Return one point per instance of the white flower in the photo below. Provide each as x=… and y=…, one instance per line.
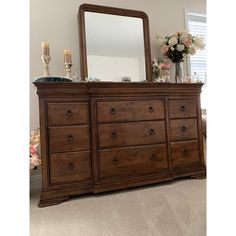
x=180, y=47
x=172, y=48
x=192, y=51
x=199, y=43
x=172, y=41
x=183, y=36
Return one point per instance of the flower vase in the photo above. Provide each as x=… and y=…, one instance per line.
x=178, y=72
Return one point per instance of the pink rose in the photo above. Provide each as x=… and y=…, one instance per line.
x=32, y=149
x=187, y=42
x=164, y=49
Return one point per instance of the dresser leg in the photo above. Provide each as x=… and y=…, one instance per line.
x=198, y=176
x=51, y=202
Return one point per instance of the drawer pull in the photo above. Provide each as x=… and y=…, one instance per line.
x=153, y=157
x=151, y=109
x=69, y=113
x=182, y=108
x=113, y=111
x=71, y=166
x=114, y=135
x=115, y=162
x=184, y=129
x=185, y=152
x=70, y=138
x=151, y=131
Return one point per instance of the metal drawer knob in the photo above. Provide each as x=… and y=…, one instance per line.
x=113, y=111
x=153, y=157
x=70, y=138
x=69, y=113
x=71, y=166
x=184, y=129
x=182, y=108
x=151, y=131
x=151, y=109
x=114, y=135
x=115, y=161
x=185, y=152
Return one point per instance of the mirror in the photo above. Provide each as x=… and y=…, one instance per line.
x=114, y=44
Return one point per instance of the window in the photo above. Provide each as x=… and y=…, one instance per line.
x=196, y=25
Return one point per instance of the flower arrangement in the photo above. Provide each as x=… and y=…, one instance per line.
x=160, y=68
x=35, y=159
x=180, y=44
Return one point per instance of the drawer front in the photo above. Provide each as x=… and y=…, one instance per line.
x=68, y=113
x=184, y=153
x=68, y=138
x=183, y=129
x=126, y=134
x=182, y=108
x=130, y=110
x=69, y=167
x=117, y=162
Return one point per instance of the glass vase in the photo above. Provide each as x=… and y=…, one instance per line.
x=178, y=72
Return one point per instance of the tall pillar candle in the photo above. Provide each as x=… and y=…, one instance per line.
x=67, y=56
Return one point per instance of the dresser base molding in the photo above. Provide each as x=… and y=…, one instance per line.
x=55, y=197
x=51, y=202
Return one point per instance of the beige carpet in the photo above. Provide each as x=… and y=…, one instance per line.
x=171, y=209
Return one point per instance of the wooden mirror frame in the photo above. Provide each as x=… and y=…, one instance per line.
x=113, y=11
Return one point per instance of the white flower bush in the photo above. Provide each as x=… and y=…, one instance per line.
x=180, y=44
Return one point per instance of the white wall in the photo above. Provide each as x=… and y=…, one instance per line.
x=55, y=21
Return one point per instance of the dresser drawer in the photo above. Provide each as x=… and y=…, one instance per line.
x=69, y=167
x=135, y=133
x=130, y=110
x=184, y=153
x=182, y=108
x=125, y=161
x=67, y=113
x=68, y=138
x=183, y=129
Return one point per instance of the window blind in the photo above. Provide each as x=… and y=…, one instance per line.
x=198, y=62
x=196, y=25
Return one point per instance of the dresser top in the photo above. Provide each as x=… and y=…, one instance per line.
x=112, y=88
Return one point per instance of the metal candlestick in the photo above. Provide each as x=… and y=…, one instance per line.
x=46, y=60
x=68, y=70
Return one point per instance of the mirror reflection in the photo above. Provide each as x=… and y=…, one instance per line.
x=115, y=47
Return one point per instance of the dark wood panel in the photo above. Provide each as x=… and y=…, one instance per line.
x=183, y=129
x=68, y=113
x=125, y=161
x=182, y=108
x=130, y=110
x=69, y=167
x=184, y=153
x=68, y=138
x=135, y=133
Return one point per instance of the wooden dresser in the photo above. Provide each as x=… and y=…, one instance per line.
x=104, y=136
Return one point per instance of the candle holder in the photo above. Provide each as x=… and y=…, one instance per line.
x=68, y=69
x=46, y=60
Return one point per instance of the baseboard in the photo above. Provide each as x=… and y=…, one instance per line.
x=35, y=182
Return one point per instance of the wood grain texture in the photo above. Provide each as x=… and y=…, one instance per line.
x=126, y=161
x=185, y=153
x=141, y=152
x=68, y=113
x=182, y=108
x=128, y=134
x=117, y=111
x=69, y=167
x=183, y=129
x=68, y=138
